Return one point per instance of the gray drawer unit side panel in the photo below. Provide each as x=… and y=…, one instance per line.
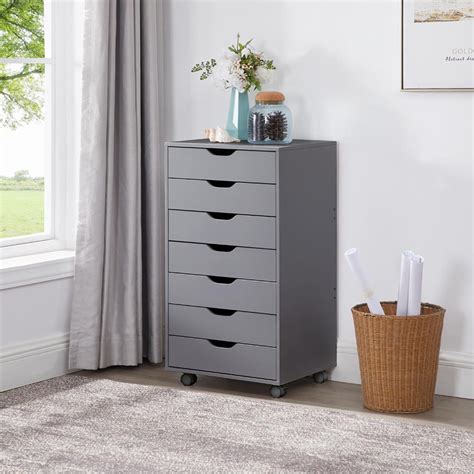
x=166, y=260
x=202, y=163
x=307, y=264
x=205, y=323
x=228, y=197
x=225, y=261
x=242, y=231
x=241, y=359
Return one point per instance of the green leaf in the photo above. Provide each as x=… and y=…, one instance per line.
x=21, y=35
x=21, y=28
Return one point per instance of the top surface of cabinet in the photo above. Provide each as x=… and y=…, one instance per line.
x=205, y=143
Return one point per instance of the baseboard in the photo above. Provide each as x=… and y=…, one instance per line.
x=33, y=362
x=455, y=372
x=47, y=358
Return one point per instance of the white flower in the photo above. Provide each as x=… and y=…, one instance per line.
x=264, y=75
x=220, y=75
x=245, y=52
x=228, y=73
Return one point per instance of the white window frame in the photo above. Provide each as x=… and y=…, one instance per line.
x=49, y=154
x=61, y=166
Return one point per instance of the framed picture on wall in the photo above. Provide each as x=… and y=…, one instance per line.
x=437, y=45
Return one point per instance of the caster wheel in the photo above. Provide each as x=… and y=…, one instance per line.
x=188, y=379
x=278, y=392
x=320, y=377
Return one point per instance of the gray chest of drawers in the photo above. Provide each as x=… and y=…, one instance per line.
x=251, y=261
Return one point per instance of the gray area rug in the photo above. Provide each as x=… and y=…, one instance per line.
x=75, y=423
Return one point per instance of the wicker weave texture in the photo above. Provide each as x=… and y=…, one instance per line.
x=398, y=357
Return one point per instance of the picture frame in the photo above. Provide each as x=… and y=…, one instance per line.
x=436, y=45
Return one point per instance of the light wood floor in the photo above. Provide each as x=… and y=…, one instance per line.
x=448, y=410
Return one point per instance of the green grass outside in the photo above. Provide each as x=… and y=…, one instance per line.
x=21, y=212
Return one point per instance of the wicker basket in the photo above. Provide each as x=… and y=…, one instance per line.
x=398, y=357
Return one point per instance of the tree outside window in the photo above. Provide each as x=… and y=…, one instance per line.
x=23, y=133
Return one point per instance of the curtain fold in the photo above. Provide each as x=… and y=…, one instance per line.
x=118, y=299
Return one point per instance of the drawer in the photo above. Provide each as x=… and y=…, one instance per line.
x=222, y=164
x=219, y=228
x=222, y=196
x=215, y=356
x=219, y=292
x=222, y=260
x=222, y=324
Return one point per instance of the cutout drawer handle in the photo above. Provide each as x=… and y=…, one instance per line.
x=225, y=344
x=221, y=248
x=224, y=216
x=220, y=151
x=220, y=184
x=222, y=312
x=222, y=280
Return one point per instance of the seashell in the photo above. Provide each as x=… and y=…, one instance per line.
x=210, y=133
x=219, y=135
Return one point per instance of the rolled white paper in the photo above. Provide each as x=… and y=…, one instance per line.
x=414, y=289
x=402, y=302
x=352, y=257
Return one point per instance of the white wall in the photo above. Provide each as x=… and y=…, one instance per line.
x=405, y=159
x=34, y=332
x=35, y=311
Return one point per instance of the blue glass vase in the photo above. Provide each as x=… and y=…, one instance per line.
x=237, y=119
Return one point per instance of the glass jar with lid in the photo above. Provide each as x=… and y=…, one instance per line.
x=270, y=120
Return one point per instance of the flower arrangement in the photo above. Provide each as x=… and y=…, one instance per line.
x=241, y=68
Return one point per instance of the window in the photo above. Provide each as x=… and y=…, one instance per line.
x=40, y=59
x=25, y=121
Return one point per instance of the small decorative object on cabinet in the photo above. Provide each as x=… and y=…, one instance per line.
x=219, y=135
x=238, y=114
x=240, y=69
x=251, y=261
x=270, y=121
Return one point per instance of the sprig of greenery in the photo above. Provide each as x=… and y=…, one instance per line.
x=239, y=47
x=205, y=67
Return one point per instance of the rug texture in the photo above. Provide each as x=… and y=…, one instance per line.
x=75, y=423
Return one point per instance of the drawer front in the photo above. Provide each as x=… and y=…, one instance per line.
x=201, y=163
x=222, y=196
x=222, y=260
x=243, y=231
x=244, y=295
x=240, y=359
x=212, y=323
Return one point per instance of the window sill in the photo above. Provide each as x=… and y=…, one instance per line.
x=31, y=269
x=32, y=249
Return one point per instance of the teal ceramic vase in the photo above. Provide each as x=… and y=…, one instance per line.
x=237, y=120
